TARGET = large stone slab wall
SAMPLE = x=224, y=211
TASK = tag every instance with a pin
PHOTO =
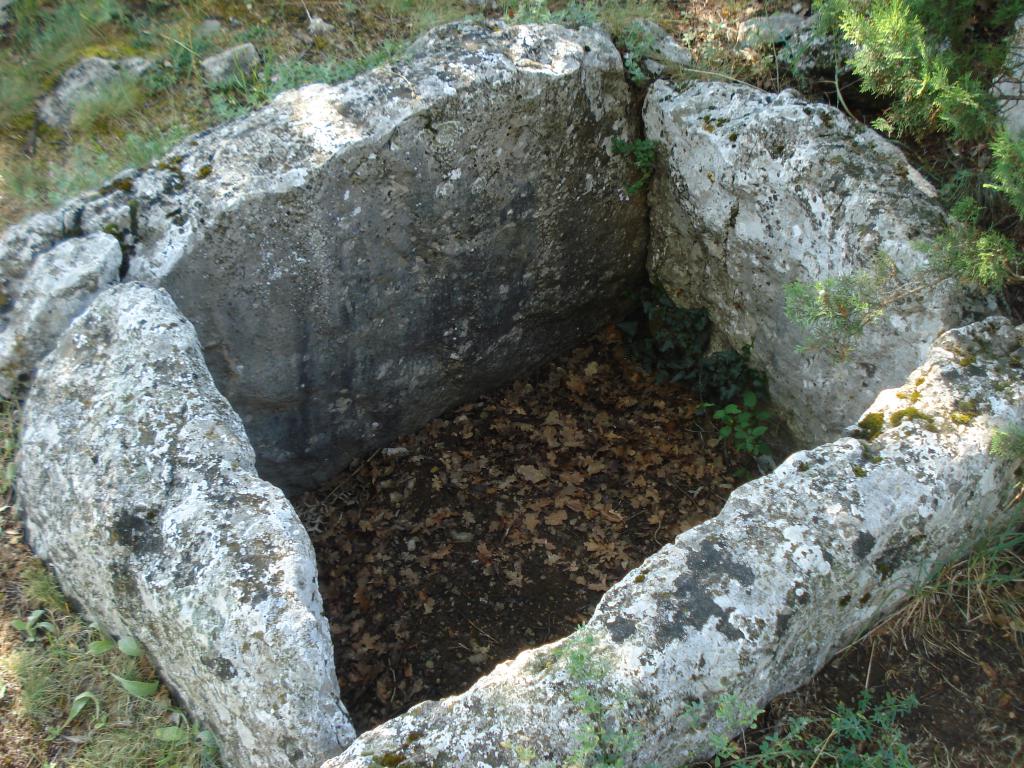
x=357, y=258
x=138, y=486
x=758, y=190
x=751, y=604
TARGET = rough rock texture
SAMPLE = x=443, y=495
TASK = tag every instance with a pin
x=138, y=487
x=1009, y=87
x=774, y=29
x=234, y=63
x=752, y=603
x=357, y=258
x=62, y=282
x=662, y=52
x=83, y=81
x=755, y=191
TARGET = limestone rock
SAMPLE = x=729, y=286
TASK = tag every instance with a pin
x=318, y=27
x=752, y=603
x=811, y=53
x=1009, y=87
x=756, y=191
x=5, y=6
x=61, y=283
x=660, y=52
x=774, y=29
x=357, y=258
x=83, y=81
x=234, y=63
x=209, y=28
x=138, y=487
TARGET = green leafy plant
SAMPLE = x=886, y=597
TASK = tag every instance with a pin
x=672, y=342
x=644, y=154
x=744, y=424
x=864, y=735
x=934, y=60
x=835, y=311
x=601, y=740
x=638, y=42
x=33, y=624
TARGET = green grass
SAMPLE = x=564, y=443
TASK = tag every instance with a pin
x=67, y=684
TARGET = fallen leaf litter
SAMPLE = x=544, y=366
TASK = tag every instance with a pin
x=498, y=527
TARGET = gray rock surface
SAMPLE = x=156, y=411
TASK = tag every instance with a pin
x=810, y=53
x=82, y=82
x=661, y=52
x=137, y=485
x=755, y=191
x=1009, y=87
x=317, y=26
x=235, y=63
x=61, y=283
x=357, y=258
x=774, y=29
x=209, y=28
x=749, y=605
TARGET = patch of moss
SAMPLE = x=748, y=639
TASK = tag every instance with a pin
x=119, y=185
x=964, y=360
x=961, y=417
x=203, y=172
x=898, y=417
x=913, y=396
x=389, y=759
x=860, y=471
x=871, y=426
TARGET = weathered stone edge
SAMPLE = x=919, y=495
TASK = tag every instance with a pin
x=138, y=486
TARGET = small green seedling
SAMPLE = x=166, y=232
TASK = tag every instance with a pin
x=744, y=425
x=32, y=625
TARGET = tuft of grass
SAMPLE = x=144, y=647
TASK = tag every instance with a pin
x=84, y=166
x=103, y=110
x=71, y=683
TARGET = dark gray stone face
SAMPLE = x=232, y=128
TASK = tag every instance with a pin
x=358, y=258
x=413, y=273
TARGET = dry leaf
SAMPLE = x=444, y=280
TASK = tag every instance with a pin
x=531, y=474
x=557, y=517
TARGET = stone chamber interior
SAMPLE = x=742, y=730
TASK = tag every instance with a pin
x=498, y=525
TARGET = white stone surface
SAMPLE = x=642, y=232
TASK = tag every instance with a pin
x=757, y=190
x=235, y=63
x=61, y=283
x=138, y=487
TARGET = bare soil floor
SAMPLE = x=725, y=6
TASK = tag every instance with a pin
x=966, y=672
x=499, y=526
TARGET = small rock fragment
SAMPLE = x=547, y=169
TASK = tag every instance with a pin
x=209, y=28
x=83, y=81
x=773, y=30
x=234, y=63
x=318, y=27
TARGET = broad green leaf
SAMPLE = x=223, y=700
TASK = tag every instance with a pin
x=171, y=733
x=99, y=647
x=129, y=646
x=137, y=687
x=79, y=703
